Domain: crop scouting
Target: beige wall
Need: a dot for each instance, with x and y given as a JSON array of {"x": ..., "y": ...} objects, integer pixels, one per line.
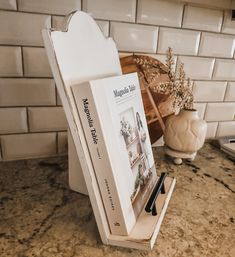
[{"x": 32, "y": 121}]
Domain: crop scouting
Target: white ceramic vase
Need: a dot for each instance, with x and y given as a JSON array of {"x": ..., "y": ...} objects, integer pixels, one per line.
[{"x": 184, "y": 134}]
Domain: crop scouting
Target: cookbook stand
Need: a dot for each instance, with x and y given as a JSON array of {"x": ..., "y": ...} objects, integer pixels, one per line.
[{"x": 77, "y": 54}]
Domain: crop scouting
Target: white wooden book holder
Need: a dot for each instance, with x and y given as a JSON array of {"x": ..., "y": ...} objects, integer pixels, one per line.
[{"x": 77, "y": 54}]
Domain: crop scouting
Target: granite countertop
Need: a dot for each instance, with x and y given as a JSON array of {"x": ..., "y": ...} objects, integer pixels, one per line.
[{"x": 40, "y": 216}]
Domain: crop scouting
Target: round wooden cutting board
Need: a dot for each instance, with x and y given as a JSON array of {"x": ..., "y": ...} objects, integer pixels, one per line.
[{"x": 157, "y": 106}]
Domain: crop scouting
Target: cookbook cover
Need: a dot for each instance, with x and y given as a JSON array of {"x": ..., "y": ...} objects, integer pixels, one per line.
[{"x": 114, "y": 124}]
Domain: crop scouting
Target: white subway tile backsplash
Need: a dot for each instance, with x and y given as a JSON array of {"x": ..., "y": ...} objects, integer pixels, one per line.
[
  {"x": 51, "y": 6},
  {"x": 209, "y": 91},
  {"x": 121, "y": 10},
  {"x": 197, "y": 67},
  {"x": 8, "y": 4},
  {"x": 200, "y": 107},
  {"x": 36, "y": 62},
  {"x": 58, "y": 99},
  {"x": 22, "y": 28},
  {"x": 189, "y": 30},
  {"x": 62, "y": 142},
  {"x": 181, "y": 41},
  {"x": 10, "y": 61},
  {"x": 225, "y": 4},
  {"x": 134, "y": 38},
  {"x": 58, "y": 22},
  {"x": 211, "y": 129},
  {"x": 160, "y": 13},
  {"x": 224, "y": 70},
  {"x": 25, "y": 146},
  {"x": 226, "y": 129},
  {"x": 230, "y": 92},
  {"x": 104, "y": 26},
  {"x": 13, "y": 120},
  {"x": 220, "y": 111},
  {"x": 217, "y": 45},
  {"x": 202, "y": 18},
  {"x": 46, "y": 119},
  {"x": 228, "y": 24},
  {"x": 26, "y": 92}
]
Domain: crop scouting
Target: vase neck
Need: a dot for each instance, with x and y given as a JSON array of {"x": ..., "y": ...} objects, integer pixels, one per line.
[{"x": 189, "y": 113}]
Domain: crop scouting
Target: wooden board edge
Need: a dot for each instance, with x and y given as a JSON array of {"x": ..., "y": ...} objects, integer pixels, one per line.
[
  {"x": 91, "y": 184},
  {"x": 76, "y": 181},
  {"x": 122, "y": 241},
  {"x": 155, "y": 234}
]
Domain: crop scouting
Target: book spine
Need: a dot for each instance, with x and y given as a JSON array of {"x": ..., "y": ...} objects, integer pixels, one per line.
[{"x": 100, "y": 158}]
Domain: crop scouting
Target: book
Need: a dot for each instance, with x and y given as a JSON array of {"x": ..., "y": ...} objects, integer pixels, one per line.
[{"x": 114, "y": 124}]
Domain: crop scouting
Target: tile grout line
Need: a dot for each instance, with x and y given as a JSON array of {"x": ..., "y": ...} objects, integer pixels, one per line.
[
  {"x": 136, "y": 10},
  {"x": 56, "y": 96},
  {"x": 32, "y": 132},
  {"x": 169, "y": 27},
  {"x": 215, "y": 102},
  {"x": 222, "y": 23},
  {"x": 109, "y": 28},
  {"x": 204, "y": 113},
  {"x": 214, "y": 68},
  {"x": 17, "y": 5},
  {"x": 26, "y": 77},
  {"x": 56, "y": 106},
  {"x": 59, "y": 131},
  {"x": 57, "y": 143},
  {"x": 158, "y": 39},
  {"x": 29, "y": 106},
  {"x": 199, "y": 43},
  {"x": 51, "y": 21},
  {"x": 22, "y": 45},
  {"x": 1, "y": 157},
  {"x": 22, "y": 60},
  {"x": 182, "y": 18},
  {"x": 122, "y": 50},
  {"x": 27, "y": 119},
  {"x": 31, "y": 12},
  {"x": 183, "y": 55},
  {"x": 216, "y": 131},
  {"x": 225, "y": 92}
]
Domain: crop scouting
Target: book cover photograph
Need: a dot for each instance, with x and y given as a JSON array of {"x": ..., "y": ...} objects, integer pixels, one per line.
[
  {"x": 135, "y": 138},
  {"x": 113, "y": 119}
]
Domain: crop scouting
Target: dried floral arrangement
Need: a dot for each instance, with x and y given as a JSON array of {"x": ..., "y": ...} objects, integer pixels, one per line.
[
  {"x": 178, "y": 86},
  {"x": 150, "y": 69}
]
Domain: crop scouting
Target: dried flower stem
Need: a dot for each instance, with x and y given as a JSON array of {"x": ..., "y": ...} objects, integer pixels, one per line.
[{"x": 178, "y": 86}]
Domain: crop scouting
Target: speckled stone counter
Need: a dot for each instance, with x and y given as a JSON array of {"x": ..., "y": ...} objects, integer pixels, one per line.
[{"x": 40, "y": 216}]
